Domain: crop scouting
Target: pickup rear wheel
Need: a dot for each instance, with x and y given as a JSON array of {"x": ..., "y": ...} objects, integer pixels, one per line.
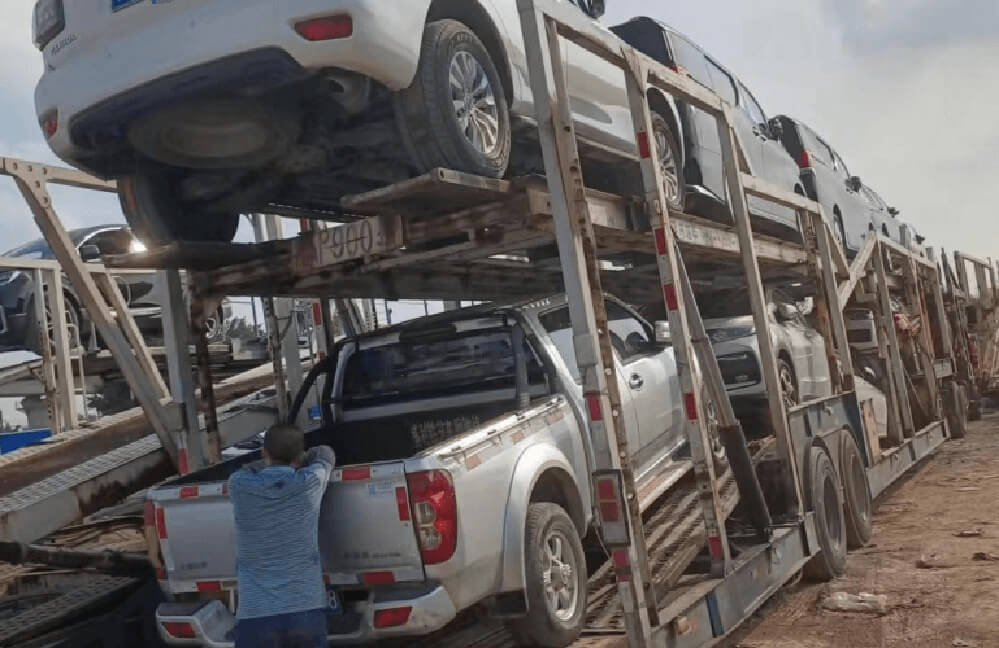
[
  {"x": 149, "y": 201},
  {"x": 556, "y": 579},
  {"x": 455, "y": 113}
]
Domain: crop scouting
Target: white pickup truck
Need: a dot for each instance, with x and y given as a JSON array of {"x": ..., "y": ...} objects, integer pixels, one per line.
[{"x": 462, "y": 479}]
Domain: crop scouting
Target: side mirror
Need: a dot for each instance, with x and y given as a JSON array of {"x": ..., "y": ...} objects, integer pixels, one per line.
[
  {"x": 786, "y": 312},
  {"x": 893, "y": 211},
  {"x": 870, "y": 376},
  {"x": 663, "y": 336},
  {"x": 90, "y": 252},
  {"x": 854, "y": 183},
  {"x": 597, "y": 8}
]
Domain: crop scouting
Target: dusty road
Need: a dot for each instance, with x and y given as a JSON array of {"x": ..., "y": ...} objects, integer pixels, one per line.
[{"x": 939, "y": 593}]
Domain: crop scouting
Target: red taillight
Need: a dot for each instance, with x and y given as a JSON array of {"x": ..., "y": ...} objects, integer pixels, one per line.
[
  {"x": 803, "y": 160},
  {"x": 435, "y": 514},
  {"x": 180, "y": 629},
  {"x": 209, "y": 586},
  {"x": 392, "y": 617},
  {"x": 357, "y": 473},
  {"x": 402, "y": 502},
  {"x": 326, "y": 28},
  {"x": 50, "y": 123},
  {"x": 378, "y": 578},
  {"x": 188, "y": 492},
  {"x": 161, "y": 523}
]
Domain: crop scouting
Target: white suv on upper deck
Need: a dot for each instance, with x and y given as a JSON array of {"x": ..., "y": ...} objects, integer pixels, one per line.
[{"x": 204, "y": 109}]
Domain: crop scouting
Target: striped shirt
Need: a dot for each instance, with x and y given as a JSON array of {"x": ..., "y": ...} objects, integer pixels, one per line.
[{"x": 277, "y": 536}]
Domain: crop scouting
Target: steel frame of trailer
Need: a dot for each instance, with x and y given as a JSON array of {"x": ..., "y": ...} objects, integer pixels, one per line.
[
  {"x": 386, "y": 255},
  {"x": 476, "y": 249}
]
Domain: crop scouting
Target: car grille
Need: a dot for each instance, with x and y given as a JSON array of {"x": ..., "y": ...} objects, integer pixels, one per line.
[{"x": 739, "y": 368}]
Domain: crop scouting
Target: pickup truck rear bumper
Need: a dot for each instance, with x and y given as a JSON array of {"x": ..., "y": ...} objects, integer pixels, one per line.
[{"x": 211, "y": 624}]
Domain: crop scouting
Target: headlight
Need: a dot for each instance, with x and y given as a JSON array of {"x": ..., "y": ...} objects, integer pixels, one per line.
[
  {"x": 49, "y": 21},
  {"x": 7, "y": 276},
  {"x": 734, "y": 333}
]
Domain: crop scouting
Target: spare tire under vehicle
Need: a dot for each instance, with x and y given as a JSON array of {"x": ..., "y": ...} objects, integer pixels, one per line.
[{"x": 149, "y": 201}]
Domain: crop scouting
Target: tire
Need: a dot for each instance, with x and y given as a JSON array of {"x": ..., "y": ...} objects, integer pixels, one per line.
[
  {"x": 788, "y": 382},
  {"x": 670, "y": 161},
  {"x": 543, "y": 627},
  {"x": 858, "y": 509},
  {"x": 825, "y": 498},
  {"x": 73, "y": 318},
  {"x": 475, "y": 138},
  {"x": 149, "y": 201},
  {"x": 957, "y": 415}
]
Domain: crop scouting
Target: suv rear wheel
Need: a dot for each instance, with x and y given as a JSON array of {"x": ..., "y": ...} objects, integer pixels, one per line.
[
  {"x": 455, "y": 113},
  {"x": 670, "y": 161},
  {"x": 152, "y": 209}
]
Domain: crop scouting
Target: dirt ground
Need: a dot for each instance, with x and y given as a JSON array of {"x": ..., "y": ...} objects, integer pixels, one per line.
[{"x": 939, "y": 594}]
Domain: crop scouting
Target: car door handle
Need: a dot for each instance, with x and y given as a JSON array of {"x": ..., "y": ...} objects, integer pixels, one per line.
[{"x": 636, "y": 381}]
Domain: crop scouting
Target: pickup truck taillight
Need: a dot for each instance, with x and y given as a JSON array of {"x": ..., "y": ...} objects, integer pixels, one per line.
[{"x": 435, "y": 514}]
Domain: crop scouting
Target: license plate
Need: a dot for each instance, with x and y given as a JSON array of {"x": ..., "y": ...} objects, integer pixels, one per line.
[{"x": 334, "y": 601}]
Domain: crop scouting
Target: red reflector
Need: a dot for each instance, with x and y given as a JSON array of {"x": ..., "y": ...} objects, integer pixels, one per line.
[
  {"x": 715, "y": 547},
  {"x": 606, "y": 489},
  {"x": 803, "y": 160},
  {"x": 187, "y": 492},
  {"x": 378, "y": 578},
  {"x": 661, "y": 240},
  {"x": 673, "y": 66},
  {"x": 644, "y": 149},
  {"x": 609, "y": 512},
  {"x": 182, "y": 466},
  {"x": 402, "y": 502},
  {"x": 621, "y": 558},
  {"x": 669, "y": 293},
  {"x": 359, "y": 473},
  {"x": 161, "y": 573},
  {"x": 161, "y": 523},
  {"x": 180, "y": 629},
  {"x": 209, "y": 586},
  {"x": 392, "y": 617},
  {"x": 149, "y": 513},
  {"x": 317, "y": 313},
  {"x": 225, "y": 488},
  {"x": 690, "y": 404},
  {"x": 50, "y": 124},
  {"x": 593, "y": 405},
  {"x": 327, "y": 28}
]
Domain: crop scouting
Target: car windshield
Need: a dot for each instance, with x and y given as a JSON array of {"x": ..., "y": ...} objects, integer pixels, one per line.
[
  {"x": 460, "y": 363},
  {"x": 37, "y": 249}
]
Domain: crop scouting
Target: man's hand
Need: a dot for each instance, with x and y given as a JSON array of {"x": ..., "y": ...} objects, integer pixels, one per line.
[{"x": 320, "y": 454}]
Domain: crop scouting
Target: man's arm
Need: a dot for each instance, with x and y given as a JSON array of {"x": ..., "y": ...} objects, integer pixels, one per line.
[{"x": 320, "y": 461}]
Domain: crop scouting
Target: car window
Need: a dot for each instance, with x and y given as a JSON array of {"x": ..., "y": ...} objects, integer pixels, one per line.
[
  {"x": 840, "y": 165},
  {"x": 874, "y": 199},
  {"x": 584, "y": 5},
  {"x": 817, "y": 149},
  {"x": 630, "y": 336},
  {"x": 722, "y": 82},
  {"x": 689, "y": 57},
  {"x": 110, "y": 242},
  {"x": 749, "y": 105}
]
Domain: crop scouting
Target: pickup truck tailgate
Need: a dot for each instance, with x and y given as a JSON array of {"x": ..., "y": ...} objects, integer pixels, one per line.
[{"x": 366, "y": 534}]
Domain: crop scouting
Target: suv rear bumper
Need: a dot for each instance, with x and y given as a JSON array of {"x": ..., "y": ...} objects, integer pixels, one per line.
[
  {"x": 214, "y": 626},
  {"x": 193, "y": 38}
]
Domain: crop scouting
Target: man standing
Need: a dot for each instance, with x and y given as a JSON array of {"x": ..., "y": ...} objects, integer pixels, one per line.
[{"x": 282, "y": 600}]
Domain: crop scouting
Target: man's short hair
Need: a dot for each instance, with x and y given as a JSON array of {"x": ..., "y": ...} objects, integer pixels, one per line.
[{"x": 284, "y": 443}]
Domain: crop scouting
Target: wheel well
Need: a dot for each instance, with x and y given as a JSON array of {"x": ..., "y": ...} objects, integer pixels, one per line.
[
  {"x": 473, "y": 16},
  {"x": 784, "y": 355},
  {"x": 555, "y": 486},
  {"x": 659, "y": 105}
]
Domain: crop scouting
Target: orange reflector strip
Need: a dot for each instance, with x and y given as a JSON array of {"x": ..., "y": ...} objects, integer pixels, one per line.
[
  {"x": 690, "y": 404},
  {"x": 661, "y": 240},
  {"x": 669, "y": 292},
  {"x": 593, "y": 405},
  {"x": 644, "y": 149}
]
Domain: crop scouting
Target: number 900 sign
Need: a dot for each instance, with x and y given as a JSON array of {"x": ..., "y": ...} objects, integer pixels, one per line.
[{"x": 356, "y": 240}]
